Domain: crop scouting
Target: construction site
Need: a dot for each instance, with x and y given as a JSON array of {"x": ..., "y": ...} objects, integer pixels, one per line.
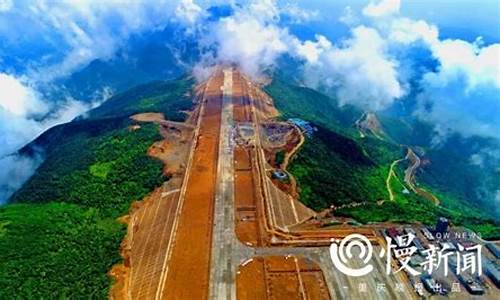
[{"x": 228, "y": 223}]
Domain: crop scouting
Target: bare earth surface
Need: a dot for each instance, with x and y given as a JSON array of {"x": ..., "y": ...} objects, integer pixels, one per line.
[
  {"x": 186, "y": 273},
  {"x": 221, "y": 228}
]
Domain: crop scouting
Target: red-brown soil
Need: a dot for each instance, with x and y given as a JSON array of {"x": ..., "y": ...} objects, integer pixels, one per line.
[
  {"x": 277, "y": 210},
  {"x": 187, "y": 273},
  {"x": 278, "y": 277},
  {"x": 149, "y": 270}
]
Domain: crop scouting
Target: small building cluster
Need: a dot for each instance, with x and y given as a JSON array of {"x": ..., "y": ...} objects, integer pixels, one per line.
[
  {"x": 446, "y": 240},
  {"x": 305, "y": 126}
]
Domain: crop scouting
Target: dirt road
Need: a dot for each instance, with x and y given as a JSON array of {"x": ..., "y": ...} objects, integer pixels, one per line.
[
  {"x": 388, "y": 179},
  {"x": 410, "y": 177},
  {"x": 186, "y": 244}
]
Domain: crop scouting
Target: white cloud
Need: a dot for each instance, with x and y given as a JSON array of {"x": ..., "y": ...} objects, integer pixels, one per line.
[
  {"x": 359, "y": 71},
  {"x": 18, "y": 99},
  {"x": 6, "y": 5},
  {"x": 349, "y": 17},
  {"x": 19, "y": 105},
  {"x": 81, "y": 31},
  {"x": 253, "y": 45},
  {"x": 479, "y": 65},
  {"x": 463, "y": 94},
  {"x": 14, "y": 171},
  {"x": 299, "y": 15},
  {"x": 311, "y": 51},
  {"x": 407, "y": 31},
  {"x": 487, "y": 155},
  {"x": 188, "y": 12},
  {"x": 381, "y": 8},
  {"x": 23, "y": 115},
  {"x": 15, "y": 131},
  {"x": 263, "y": 10},
  {"x": 67, "y": 111},
  {"x": 252, "y": 37},
  {"x": 249, "y": 38},
  {"x": 75, "y": 33}
]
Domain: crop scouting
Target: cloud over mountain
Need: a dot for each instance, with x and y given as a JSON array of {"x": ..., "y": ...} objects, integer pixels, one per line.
[
  {"x": 364, "y": 67},
  {"x": 23, "y": 116},
  {"x": 251, "y": 38},
  {"x": 188, "y": 12},
  {"x": 64, "y": 36},
  {"x": 461, "y": 95},
  {"x": 358, "y": 70},
  {"x": 71, "y": 34}
]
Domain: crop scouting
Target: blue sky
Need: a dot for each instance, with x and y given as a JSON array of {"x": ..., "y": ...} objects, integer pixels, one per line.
[
  {"x": 464, "y": 19},
  {"x": 41, "y": 41},
  {"x": 461, "y": 19},
  {"x": 358, "y": 51}
]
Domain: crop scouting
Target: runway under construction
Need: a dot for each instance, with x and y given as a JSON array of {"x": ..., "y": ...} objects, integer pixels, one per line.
[{"x": 221, "y": 220}]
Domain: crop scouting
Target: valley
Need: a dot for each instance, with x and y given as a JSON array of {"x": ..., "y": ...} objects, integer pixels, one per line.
[
  {"x": 216, "y": 226},
  {"x": 410, "y": 177},
  {"x": 249, "y": 149},
  {"x": 228, "y": 212}
]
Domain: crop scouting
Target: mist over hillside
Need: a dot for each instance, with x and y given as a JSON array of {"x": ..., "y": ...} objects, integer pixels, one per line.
[
  {"x": 384, "y": 57},
  {"x": 143, "y": 142}
]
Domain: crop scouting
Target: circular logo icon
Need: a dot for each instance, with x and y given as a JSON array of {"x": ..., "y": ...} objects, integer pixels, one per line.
[{"x": 341, "y": 254}]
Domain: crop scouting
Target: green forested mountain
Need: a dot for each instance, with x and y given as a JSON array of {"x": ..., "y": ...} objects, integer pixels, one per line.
[
  {"x": 308, "y": 104},
  {"x": 336, "y": 166},
  {"x": 61, "y": 226},
  {"x": 145, "y": 58}
]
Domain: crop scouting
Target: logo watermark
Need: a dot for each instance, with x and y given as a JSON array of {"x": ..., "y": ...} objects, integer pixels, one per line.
[
  {"x": 338, "y": 254},
  {"x": 462, "y": 258}
]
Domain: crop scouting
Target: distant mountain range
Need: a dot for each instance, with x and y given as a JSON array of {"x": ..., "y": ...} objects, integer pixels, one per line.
[
  {"x": 94, "y": 167},
  {"x": 333, "y": 170}
]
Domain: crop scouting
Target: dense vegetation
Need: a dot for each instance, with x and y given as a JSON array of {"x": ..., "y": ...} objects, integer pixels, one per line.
[
  {"x": 168, "y": 97},
  {"x": 62, "y": 249},
  {"x": 410, "y": 208},
  {"x": 336, "y": 166},
  {"x": 56, "y": 250},
  {"x": 61, "y": 236},
  {"x": 452, "y": 172},
  {"x": 279, "y": 158},
  {"x": 300, "y": 102},
  {"x": 332, "y": 169},
  {"x": 104, "y": 171}
]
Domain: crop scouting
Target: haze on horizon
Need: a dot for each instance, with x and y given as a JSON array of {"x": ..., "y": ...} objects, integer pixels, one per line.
[{"x": 370, "y": 54}]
